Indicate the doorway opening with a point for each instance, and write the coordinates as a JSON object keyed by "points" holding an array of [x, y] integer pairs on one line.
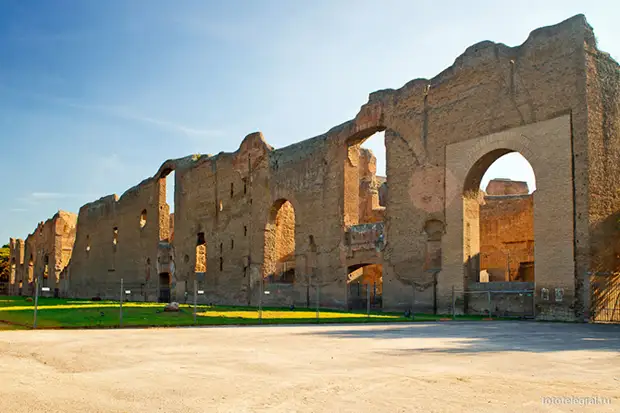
{"points": [[164, 287], [365, 284]]}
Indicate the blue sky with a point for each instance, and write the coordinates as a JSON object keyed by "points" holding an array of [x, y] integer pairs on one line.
{"points": [[94, 96]]}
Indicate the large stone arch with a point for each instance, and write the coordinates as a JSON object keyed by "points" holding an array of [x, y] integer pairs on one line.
{"points": [[547, 147]]}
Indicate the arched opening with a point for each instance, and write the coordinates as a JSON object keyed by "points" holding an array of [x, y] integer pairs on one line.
{"points": [[279, 262], [498, 218], [365, 186], [365, 284], [115, 237]]}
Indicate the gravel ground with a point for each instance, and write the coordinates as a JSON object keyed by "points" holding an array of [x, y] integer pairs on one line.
{"points": [[420, 367]]}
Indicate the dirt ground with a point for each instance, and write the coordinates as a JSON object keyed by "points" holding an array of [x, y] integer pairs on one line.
{"points": [[421, 367]]}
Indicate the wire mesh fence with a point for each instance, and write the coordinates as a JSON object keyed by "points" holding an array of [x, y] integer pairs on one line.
{"points": [[364, 296], [495, 303], [123, 304], [605, 297]]}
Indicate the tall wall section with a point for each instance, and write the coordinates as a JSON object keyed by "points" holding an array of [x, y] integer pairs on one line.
{"points": [[119, 238]]}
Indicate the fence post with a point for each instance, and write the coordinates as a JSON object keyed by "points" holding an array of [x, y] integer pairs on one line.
{"points": [[318, 300], [36, 301], [453, 304], [346, 289], [195, 299], [120, 314], [368, 300], [260, 300], [489, 302]]}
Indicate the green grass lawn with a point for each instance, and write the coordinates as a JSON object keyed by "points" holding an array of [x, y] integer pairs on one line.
{"points": [[17, 312]]}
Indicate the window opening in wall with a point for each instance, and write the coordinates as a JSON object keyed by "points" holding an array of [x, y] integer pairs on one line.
{"points": [[31, 269], [170, 183], [165, 220], [232, 189], [221, 206], [245, 231], [201, 253], [365, 179], [279, 258], [88, 243], [143, 218], [46, 261], [115, 236], [245, 186], [221, 264], [498, 207], [232, 244]]}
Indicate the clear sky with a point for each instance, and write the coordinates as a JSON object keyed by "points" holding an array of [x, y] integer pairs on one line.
{"points": [[95, 95]]}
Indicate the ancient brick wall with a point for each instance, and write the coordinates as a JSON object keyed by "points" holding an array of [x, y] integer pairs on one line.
{"points": [[119, 238], [506, 187], [493, 94], [602, 253], [16, 260], [506, 235], [370, 208], [532, 82], [45, 253]]}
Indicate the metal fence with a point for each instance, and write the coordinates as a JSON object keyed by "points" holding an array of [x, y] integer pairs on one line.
{"points": [[105, 303], [605, 297], [495, 303], [362, 296]]}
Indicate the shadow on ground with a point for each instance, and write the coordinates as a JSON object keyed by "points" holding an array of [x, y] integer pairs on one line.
{"points": [[476, 337]]}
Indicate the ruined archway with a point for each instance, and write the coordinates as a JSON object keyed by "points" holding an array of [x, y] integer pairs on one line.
{"points": [[498, 217], [552, 202], [279, 261]]}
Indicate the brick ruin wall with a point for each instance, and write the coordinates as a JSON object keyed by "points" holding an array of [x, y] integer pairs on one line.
{"points": [[44, 254], [507, 232], [229, 197]]}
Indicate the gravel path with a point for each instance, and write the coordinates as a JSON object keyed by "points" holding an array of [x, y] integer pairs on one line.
{"points": [[421, 367]]}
